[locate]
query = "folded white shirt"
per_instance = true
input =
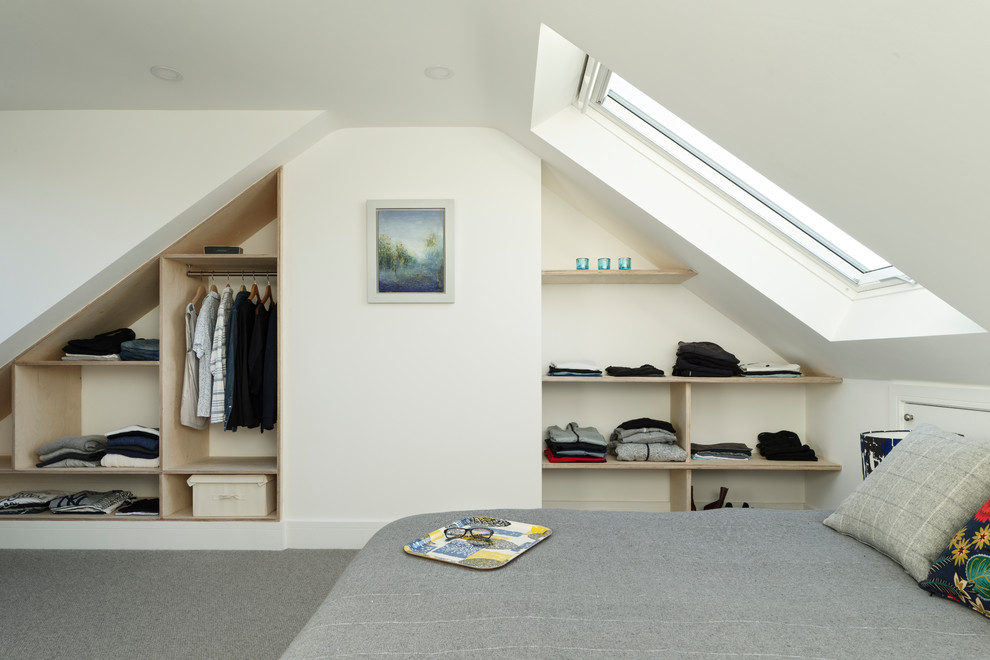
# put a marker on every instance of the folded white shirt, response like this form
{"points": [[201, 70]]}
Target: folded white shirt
{"points": [[119, 460]]}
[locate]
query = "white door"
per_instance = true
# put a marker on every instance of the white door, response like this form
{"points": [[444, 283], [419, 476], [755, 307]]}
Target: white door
{"points": [[970, 422]]}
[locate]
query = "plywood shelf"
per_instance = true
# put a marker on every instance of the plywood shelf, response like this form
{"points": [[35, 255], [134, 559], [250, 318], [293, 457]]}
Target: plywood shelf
{"points": [[88, 363], [754, 463], [228, 465], [672, 380], [644, 276]]}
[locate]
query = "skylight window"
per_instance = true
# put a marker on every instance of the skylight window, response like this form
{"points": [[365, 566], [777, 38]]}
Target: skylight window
{"points": [[616, 98]]}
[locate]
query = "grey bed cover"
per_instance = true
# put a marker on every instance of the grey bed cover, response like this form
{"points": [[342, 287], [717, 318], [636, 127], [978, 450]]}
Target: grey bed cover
{"points": [[707, 584]]}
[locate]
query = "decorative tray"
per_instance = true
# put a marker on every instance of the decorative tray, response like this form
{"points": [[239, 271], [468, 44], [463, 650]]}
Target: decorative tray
{"points": [[509, 540]]}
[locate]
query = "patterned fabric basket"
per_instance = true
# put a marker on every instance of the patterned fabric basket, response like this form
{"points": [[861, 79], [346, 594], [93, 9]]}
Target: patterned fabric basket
{"points": [[875, 445]]}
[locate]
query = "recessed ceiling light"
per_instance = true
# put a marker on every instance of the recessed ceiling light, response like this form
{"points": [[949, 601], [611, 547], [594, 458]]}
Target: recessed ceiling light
{"points": [[438, 72], [166, 73]]}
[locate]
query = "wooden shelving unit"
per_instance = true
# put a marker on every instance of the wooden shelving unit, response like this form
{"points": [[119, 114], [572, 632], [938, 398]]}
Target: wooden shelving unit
{"points": [[48, 393], [680, 391]]}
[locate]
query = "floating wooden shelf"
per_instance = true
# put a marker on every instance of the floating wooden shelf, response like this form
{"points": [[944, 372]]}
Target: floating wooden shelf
{"points": [[754, 463], [657, 276], [674, 380]]}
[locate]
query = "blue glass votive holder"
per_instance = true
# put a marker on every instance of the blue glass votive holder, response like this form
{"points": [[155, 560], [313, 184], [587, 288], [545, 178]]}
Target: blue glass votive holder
{"points": [[625, 263], [604, 263], [582, 263]]}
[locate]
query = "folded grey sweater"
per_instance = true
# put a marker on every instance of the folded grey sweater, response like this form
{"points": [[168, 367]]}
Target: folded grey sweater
{"points": [[85, 444], [575, 433], [657, 451]]}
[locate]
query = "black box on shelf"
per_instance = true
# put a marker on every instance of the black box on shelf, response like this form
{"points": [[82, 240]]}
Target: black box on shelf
{"points": [[223, 249]]}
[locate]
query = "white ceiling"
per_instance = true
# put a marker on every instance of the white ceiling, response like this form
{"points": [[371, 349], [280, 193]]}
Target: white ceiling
{"points": [[872, 113]]}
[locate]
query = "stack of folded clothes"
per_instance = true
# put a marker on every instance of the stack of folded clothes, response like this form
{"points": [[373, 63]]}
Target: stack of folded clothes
{"points": [[132, 446], [770, 370], [626, 372], [105, 346], [139, 350], [90, 501], [36, 501], [73, 451], [646, 439], [573, 368], [575, 444], [732, 451], [706, 359], [784, 446]]}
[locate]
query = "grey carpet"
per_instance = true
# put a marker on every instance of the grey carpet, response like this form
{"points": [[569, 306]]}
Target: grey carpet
{"points": [[83, 604]]}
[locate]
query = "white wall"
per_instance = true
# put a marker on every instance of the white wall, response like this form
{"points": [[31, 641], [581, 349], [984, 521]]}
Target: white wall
{"points": [[394, 409], [81, 191]]}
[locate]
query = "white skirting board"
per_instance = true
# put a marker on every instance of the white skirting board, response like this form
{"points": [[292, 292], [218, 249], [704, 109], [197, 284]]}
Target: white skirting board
{"points": [[140, 535], [184, 535]]}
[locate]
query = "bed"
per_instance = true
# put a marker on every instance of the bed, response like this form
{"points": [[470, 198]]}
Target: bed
{"points": [[603, 584]]}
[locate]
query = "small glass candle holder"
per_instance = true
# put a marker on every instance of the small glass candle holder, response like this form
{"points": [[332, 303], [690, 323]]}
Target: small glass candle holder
{"points": [[625, 263], [604, 263], [582, 263]]}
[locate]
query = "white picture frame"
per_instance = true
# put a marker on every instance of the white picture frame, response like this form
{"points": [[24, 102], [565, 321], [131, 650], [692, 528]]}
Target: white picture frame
{"points": [[410, 251]]}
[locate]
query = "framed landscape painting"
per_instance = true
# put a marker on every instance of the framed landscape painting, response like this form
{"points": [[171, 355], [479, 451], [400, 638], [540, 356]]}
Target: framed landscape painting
{"points": [[410, 251]]}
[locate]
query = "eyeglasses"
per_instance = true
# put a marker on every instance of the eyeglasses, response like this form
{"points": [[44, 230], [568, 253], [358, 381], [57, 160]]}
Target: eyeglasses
{"points": [[480, 533]]}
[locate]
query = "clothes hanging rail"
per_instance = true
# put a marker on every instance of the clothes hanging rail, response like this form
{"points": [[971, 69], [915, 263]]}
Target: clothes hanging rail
{"points": [[231, 273]]}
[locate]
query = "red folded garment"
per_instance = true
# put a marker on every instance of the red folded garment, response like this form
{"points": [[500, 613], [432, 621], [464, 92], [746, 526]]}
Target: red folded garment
{"points": [[572, 459]]}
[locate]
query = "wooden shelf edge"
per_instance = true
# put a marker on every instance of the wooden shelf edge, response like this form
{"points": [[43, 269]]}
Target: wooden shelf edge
{"points": [[227, 465], [87, 363], [186, 514], [755, 463], [643, 276], [667, 380]]}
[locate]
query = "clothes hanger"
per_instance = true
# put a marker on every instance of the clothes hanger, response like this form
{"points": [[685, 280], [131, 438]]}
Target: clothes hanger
{"points": [[243, 287], [268, 294], [213, 285], [200, 294], [254, 291]]}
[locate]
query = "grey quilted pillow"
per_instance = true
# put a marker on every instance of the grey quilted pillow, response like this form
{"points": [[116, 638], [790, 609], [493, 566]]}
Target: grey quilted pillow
{"points": [[926, 488]]}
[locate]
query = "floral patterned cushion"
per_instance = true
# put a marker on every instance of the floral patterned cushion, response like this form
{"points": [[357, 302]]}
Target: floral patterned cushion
{"points": [[962, 572]]}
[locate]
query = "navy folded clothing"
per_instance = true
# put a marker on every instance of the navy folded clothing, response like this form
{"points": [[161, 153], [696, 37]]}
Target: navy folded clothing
{"points": [[133, 451], [149, 444], [139, 349]]}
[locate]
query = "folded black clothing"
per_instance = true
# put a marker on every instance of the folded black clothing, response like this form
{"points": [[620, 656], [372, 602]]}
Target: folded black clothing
{"points": [[779, 439], [143, 507], [705, 349], [102, 344], [724, 447], [644, 370], [647, 423], [558, 370], [702, 361], [559, 447], [688, 369], [804, 453]]}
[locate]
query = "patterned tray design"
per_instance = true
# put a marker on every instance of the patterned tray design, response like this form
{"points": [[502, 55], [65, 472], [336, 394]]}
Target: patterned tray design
{"points": [[510, 540]]}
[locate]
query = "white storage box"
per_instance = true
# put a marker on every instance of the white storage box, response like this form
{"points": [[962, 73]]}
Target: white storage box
{"points": [[232, 495]]}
